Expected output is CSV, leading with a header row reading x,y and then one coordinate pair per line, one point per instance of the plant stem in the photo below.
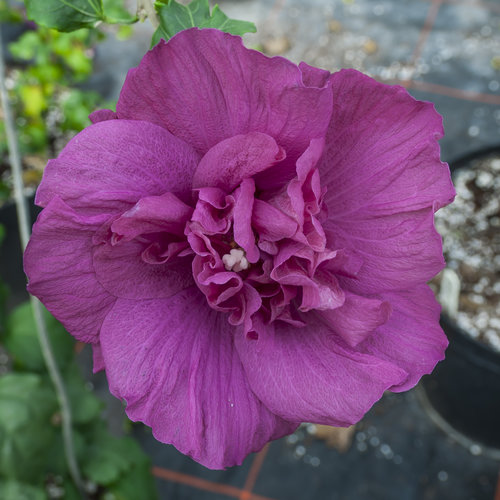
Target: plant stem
x,y
146,8
24,231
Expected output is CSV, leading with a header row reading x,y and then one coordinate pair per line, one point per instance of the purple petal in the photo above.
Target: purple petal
x,y
114,163
209,87
97,358
102,115
165,213
123,272
242,225
399,251
306,375
232,160
58,263
382,154
174,363
412,337
357,318
271,223
313,77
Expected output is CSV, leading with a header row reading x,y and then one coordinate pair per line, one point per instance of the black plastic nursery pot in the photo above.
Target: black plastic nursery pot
x,y
464,389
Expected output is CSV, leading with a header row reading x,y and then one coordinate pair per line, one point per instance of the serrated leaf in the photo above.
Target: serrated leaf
x,y
115,12
65,15
21,339
175,17
13,490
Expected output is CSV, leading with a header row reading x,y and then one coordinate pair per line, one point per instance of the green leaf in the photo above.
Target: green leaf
x,y
26,46
115,12
76,107
65,15
84,404
137,483
175,17
55,458
21,339
9,14
12,490
109,458
27,405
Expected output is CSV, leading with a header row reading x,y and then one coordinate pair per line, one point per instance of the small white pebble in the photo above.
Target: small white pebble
x,y
360,436
477,299
484,179
475,449
442,475
495,322
494,85
385,449
300,451
473,131
311,429
361,446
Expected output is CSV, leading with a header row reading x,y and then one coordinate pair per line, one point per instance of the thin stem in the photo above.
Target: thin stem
x,y
24,231
146,8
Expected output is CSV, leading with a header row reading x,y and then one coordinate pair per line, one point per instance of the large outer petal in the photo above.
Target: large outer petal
x,y
58,263
310,375
123,273
398,251
381,153
412,337
205,86
384,178
114,163
175,364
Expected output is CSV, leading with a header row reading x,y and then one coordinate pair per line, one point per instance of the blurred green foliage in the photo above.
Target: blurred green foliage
x,y
32,461
44,80
51,64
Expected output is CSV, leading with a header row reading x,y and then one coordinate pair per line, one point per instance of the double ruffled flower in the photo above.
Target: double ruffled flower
x,y
246,244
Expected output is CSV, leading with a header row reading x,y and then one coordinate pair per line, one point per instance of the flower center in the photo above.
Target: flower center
x,y
235,260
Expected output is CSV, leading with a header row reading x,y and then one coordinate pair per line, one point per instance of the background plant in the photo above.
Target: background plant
x,y
31,463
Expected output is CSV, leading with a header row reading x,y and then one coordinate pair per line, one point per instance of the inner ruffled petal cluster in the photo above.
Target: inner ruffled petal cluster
x,y
262,256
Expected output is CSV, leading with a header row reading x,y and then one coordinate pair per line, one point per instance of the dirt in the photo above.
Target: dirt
x,y
471,242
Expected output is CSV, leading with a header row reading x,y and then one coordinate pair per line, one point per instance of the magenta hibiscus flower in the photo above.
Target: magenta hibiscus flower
x,y
246,244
